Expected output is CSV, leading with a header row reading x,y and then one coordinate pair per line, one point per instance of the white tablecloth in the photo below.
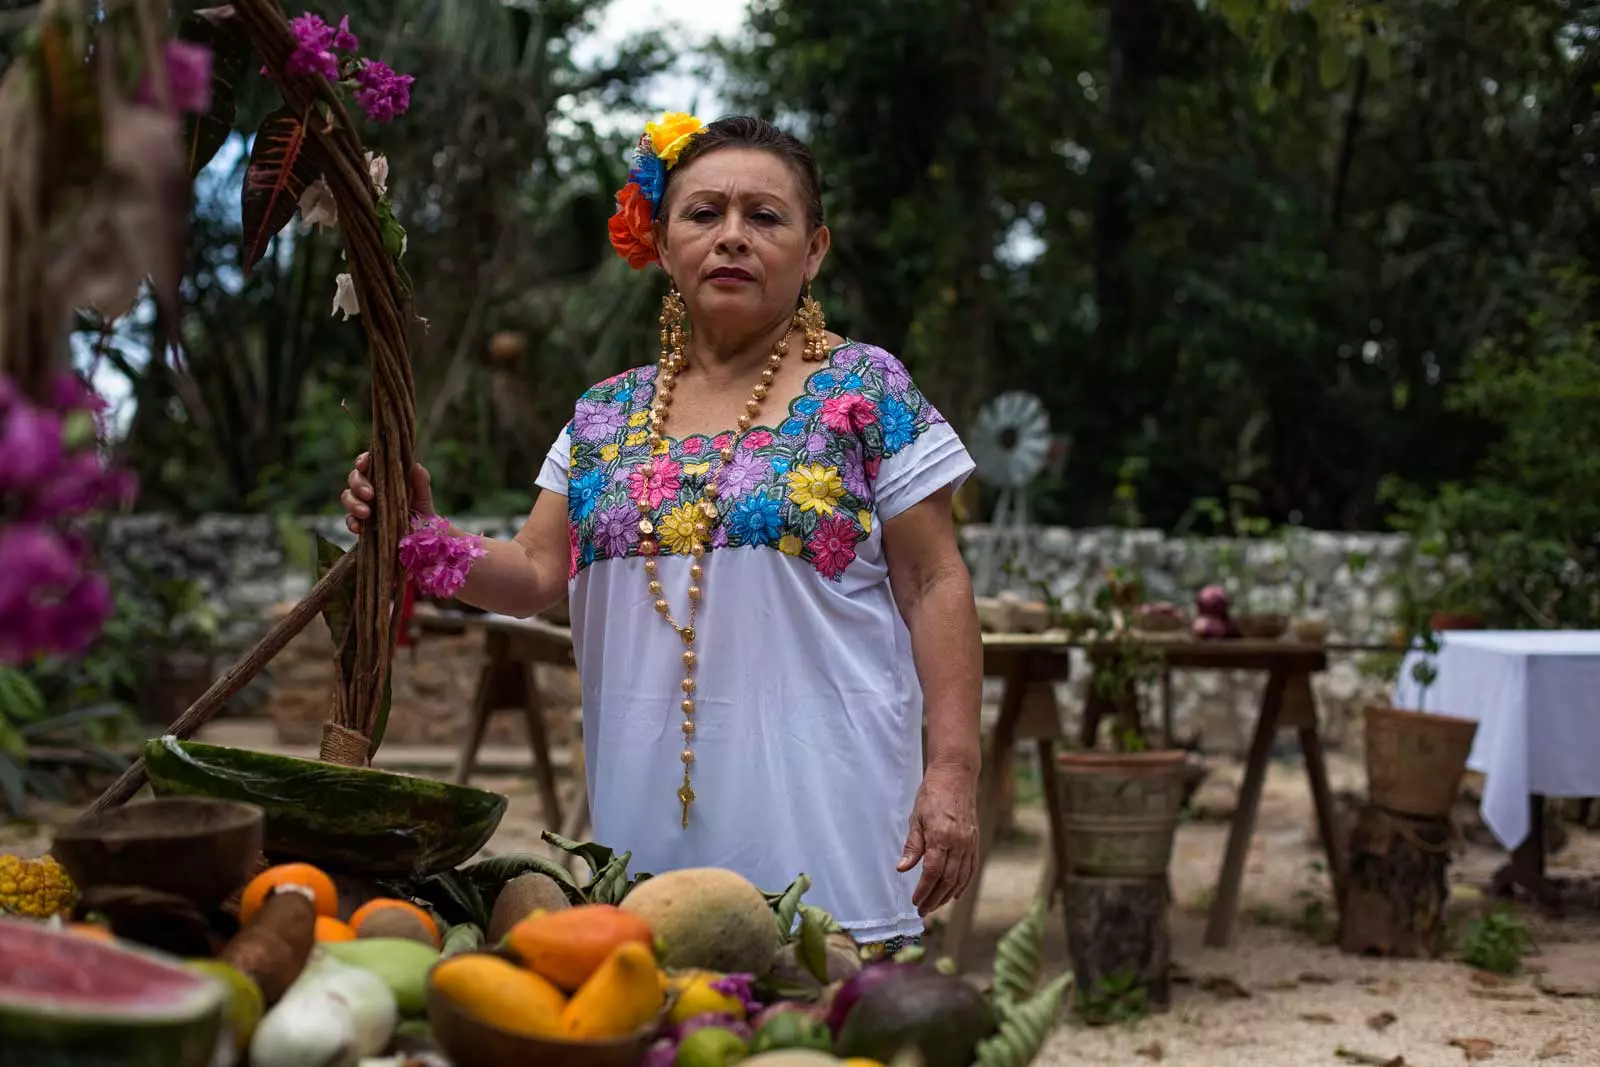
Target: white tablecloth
x,y
1536,697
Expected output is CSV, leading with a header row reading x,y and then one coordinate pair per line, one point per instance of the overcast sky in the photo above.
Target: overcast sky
x,y
689,22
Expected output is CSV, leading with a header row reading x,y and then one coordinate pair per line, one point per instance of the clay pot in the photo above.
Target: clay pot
x,y
1262,627
1120,810
1310,631
1455,620
192,847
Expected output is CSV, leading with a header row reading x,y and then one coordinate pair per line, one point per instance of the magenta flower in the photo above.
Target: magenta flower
x,y
738,986
383,94
30,446
49,605
315,42
437,559
188,78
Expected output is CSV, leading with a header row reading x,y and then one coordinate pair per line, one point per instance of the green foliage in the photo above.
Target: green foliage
x,y
1495,942
1117,998
1516,539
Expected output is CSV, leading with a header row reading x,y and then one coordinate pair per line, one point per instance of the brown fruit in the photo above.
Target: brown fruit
x,y
520,898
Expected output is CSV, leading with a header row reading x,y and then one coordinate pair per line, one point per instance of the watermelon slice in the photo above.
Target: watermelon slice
x,y
78,1001
354,820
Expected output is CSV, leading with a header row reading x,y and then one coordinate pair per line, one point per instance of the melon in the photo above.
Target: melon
x,y
359,821
69,1001
709,919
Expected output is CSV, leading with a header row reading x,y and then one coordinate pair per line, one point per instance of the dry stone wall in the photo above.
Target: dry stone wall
x,y
241,564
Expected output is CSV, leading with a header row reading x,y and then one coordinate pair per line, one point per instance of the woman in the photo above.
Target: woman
x,y
757,542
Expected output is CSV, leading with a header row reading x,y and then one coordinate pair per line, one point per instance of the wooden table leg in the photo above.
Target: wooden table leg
x,y
990,795
1526,869
478,725
533,708
1225,909
1056,858
1321,793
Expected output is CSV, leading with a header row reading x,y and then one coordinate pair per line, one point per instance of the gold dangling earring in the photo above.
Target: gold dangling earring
x,y
673,316
811,320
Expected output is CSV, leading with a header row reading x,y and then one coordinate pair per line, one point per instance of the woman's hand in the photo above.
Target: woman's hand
x,y
357,494
944,837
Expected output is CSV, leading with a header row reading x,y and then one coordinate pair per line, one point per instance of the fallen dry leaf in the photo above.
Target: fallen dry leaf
x,y
1475,1048
1224,987
1313,978
1381,1021
1367,1059
1502,994
1152,1051
1283,985
1556,1046
1317,1017
1490,979
1382,989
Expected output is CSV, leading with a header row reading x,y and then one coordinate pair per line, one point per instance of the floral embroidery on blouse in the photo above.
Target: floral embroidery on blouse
x,y
804,487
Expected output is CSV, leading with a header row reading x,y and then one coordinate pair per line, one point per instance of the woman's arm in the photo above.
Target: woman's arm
x,y
527,574
933,590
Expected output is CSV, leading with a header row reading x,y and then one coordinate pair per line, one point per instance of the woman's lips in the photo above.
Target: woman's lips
x,y
729,276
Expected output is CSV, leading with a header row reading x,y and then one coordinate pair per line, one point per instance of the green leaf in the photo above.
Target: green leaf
x,y
217,28
462,937
20,700
812,950
822,917
1379,59
610,885
1333,62
342,604
786,905
455,898
490,876
1019,957
1024,1028
382,723
595,855
280,169
394,234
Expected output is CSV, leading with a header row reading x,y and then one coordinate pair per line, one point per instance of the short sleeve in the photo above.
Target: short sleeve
x,y
915,450
557,462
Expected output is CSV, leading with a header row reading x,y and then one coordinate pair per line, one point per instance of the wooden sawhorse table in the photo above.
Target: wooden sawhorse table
x,y
1030,665
508,681
1287,702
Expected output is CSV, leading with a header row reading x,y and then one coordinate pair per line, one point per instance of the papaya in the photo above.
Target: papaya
x,y
498,992
568,947
622,996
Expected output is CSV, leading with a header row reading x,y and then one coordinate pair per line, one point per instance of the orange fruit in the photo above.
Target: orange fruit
x,y
329,929
389,904
298,874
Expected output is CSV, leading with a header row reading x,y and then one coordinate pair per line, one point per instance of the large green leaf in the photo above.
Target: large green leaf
x,y
492,875
20,700
280,169
786,905
218,29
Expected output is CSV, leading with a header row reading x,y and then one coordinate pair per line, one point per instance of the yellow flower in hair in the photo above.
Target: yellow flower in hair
x,y
670,135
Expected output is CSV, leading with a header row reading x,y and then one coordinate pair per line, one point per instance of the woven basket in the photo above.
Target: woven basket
x,y
1415,761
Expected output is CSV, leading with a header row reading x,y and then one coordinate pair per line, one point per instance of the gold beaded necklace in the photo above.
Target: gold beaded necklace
x,y
669,367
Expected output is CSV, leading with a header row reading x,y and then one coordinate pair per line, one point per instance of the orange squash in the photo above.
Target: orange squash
x,y
270,880
498,992
568,946
331,929
389,907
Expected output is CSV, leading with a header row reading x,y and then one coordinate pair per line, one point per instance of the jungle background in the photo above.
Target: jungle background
x,y
1321,263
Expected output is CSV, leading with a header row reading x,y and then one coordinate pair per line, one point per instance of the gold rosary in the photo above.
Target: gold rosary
x,y
670,365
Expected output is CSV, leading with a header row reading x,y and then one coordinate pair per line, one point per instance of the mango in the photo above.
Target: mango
x,y
567,947
623,995
498,992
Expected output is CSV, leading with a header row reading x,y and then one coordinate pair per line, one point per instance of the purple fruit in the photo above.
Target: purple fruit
x,y
1212,601
873,974
1209,627
664,1053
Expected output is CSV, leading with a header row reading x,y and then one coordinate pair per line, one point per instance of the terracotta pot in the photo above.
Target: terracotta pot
x,y
1120,810
1455,620
1310,631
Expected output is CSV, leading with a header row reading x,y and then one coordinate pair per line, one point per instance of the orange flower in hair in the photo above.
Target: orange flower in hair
x,y
632,227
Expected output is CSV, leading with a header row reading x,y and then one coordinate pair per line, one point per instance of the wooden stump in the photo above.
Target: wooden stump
x,y
1396,888
1117,935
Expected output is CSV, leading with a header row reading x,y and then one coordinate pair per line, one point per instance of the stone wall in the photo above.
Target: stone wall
x,y
241,564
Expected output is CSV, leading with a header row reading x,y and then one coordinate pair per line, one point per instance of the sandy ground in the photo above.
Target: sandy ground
x,y
1275,998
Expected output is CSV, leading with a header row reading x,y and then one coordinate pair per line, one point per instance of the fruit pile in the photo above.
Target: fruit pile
x,y
506,961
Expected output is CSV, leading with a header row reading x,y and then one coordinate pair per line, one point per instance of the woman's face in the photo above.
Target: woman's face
x,y
735,239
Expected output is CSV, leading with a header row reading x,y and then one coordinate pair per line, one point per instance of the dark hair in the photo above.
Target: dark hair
x,y
743,131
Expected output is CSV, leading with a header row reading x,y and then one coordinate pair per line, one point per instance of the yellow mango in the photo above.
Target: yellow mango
x,y
622,995
696,997
498,992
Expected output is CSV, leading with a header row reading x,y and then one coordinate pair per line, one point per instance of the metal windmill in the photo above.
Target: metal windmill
x,y
1011,445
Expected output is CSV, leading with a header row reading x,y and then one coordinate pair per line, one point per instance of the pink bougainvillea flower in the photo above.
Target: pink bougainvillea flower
x,y
30,447
188,78
383,94
437,559
315,41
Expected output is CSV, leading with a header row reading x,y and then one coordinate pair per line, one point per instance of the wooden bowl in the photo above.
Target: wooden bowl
x,y
197,848
471,1042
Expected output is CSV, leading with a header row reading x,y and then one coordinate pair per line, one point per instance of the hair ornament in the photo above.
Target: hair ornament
x,y
632,226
